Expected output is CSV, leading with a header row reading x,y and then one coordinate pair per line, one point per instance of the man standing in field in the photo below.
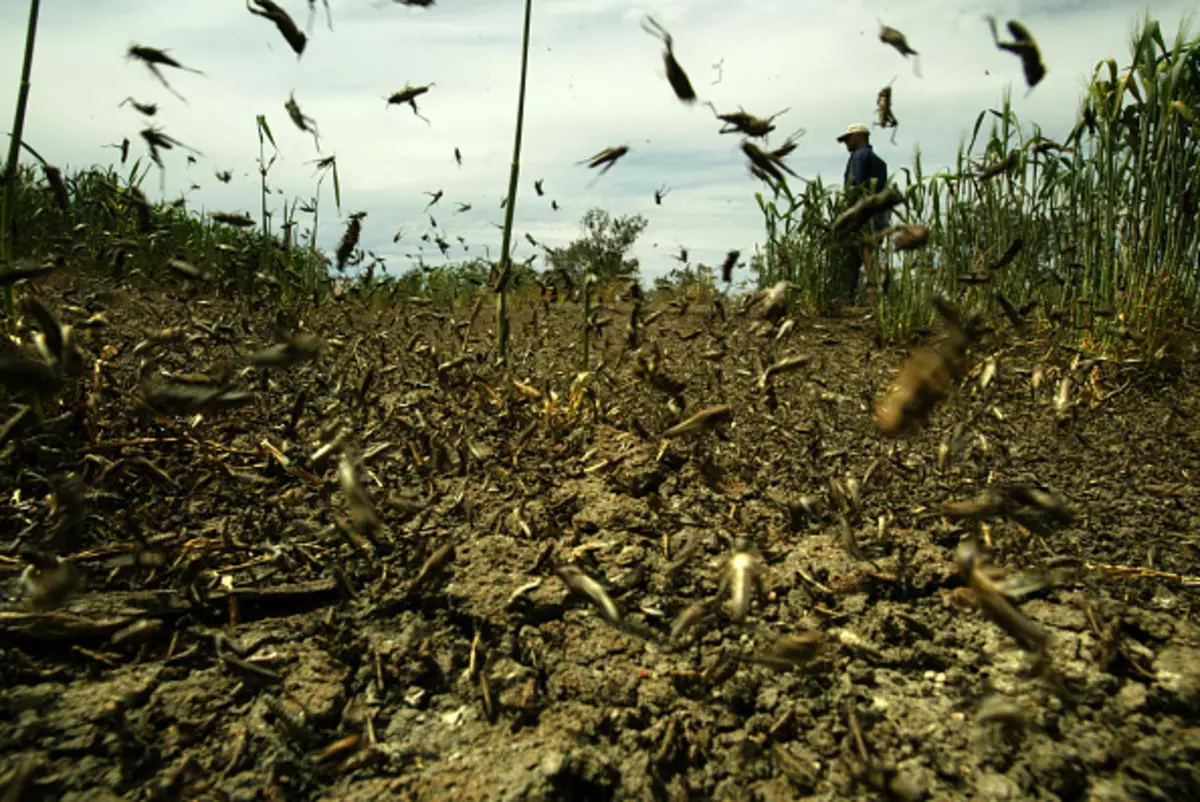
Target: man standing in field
x,y
862,168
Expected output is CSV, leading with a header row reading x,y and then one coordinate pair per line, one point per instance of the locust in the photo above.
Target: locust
x,y
905,236
23,375
1036,509
435,565
312,12
436,196
409,95
659,194
675,74
743,122
156,139
186,270
741,579
584,586
349,240
15,422
19,271
997,167
458,157
362,510
56,342
856,215
1009,254
894,38
537,187
1027,633
789,145
766,162
884,118
607,157
122,146
998,711
926,377
1042,145
774,299
149,109
68,509
154,58
47,580
728,265
462,207
788,651
1024,47
303,122
237,220
182,398
1011,312
416,3
283,22
57,188
703,421
785,365
224,176
141,208
689,617
294,349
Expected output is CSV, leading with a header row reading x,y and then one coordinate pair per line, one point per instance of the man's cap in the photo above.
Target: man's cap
x,y
855,128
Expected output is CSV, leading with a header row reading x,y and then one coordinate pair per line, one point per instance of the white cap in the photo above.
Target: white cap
x,y
855,128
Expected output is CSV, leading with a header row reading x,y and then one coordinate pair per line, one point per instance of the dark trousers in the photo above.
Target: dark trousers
x,y
848,271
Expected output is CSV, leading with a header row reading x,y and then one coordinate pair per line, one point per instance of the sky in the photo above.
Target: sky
x,y
596,79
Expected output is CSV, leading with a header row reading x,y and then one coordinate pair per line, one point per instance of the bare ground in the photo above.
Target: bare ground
x,y
263,650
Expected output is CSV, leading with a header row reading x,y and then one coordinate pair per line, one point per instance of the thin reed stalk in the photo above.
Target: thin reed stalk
x,y
8,208
585,361
505,268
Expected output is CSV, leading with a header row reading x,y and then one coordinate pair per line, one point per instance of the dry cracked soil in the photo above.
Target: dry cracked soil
x,y
233,635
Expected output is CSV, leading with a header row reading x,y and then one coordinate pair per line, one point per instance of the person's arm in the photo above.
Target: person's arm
x,y
880,175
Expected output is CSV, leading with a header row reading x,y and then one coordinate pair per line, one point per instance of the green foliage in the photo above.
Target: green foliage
x,y
101,232
801,245
601,249
1107,218
454,283
685,278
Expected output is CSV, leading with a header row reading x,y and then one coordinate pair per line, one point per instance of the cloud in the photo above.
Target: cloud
x,y
595,80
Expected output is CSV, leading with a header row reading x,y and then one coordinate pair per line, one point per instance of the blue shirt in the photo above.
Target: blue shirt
x,y
863,167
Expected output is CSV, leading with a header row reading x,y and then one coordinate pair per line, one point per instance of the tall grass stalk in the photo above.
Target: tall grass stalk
x,y
325,166
264,167
8,211
505,269
589,281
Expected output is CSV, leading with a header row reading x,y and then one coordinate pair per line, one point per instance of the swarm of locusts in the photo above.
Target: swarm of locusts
x,y
927,377
764,163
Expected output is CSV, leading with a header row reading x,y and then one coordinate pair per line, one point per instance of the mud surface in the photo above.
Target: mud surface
x,y
233,637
